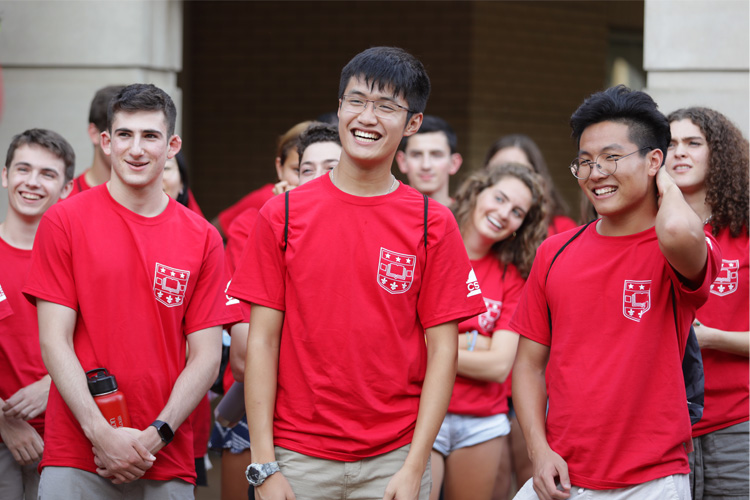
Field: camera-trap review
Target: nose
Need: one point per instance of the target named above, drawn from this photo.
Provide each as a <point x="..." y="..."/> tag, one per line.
<point x="34" y="178"/>
<point x="596" y="172"/>
<point x="136" y="149"/>
<point x="426" y="162"/>
<point x="367" y="115"/>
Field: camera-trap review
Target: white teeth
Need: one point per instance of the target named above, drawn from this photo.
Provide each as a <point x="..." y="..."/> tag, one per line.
<point x="604" y="190"/>
<point x="366" y="136"/>
<point x="31" y="196"/>
<point x="494" y="222"/>
<point x="681" y="168"/>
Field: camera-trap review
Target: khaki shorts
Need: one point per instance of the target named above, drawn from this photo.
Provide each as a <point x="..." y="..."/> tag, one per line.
<point x="319" y="479"/>
<point x="675" y="487"/>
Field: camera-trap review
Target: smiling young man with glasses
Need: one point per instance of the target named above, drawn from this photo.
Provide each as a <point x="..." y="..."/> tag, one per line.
<point x="352" y="348"/>
<point x="605" y="316"/>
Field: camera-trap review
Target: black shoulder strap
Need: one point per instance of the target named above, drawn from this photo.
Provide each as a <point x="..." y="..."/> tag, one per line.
<point x="425" y="223"/>
<point x="286" y="218"/>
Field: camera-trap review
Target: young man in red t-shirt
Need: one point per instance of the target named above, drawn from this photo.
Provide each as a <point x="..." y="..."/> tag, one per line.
<point x="129" y="280"/>
<point x="603" y="330"/>
<point x="342" y="393"/>
<point x="37" y="172"/>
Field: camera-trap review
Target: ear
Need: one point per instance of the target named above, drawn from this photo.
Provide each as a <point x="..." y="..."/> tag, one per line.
<point x="106" y="142"/>
<point x="401" y="161"/>
<point x="94" y="134"/>
<point x="655" y="159"/>
<point x="175" y="144"/>
<point x="413" y="124"/>
<point x="5" y="177"/>
<point x="278" y="167"/>
<point x="456" y="161"/>
<point x="67" y="188"/>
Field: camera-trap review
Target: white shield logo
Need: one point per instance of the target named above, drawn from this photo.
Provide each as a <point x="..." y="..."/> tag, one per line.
<point x="636" y="299"/>
<point x="395" y="271"/>
<point x="487" y="320"/>
<point x="727" y="280"/>
<point x="170" y="284"/>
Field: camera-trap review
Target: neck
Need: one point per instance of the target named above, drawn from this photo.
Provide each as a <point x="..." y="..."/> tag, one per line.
<point x="631" y="222"/>
<point x="697" y="202"/>
<point x="476" y="245"/>
<point x="19" y="232"/>
<point x="147" y="201"/>
<point x="351" y="179"/>
<point x="441" y="196"/>
<point x="100" y="171"/>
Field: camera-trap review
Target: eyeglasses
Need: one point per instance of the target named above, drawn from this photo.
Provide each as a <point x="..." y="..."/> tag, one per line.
<point x="605" y="162"/>
<point x="383" y="108"/>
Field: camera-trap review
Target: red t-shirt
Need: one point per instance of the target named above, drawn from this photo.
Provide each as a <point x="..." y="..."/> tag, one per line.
<point x="560" y="223"/>
<point x="726" y="375"/>
<point x="238" y="234"/>
<point x="79" y="185"/>
<point x="140" y="286"/>
<point x="501" y="289"/>
<point x="20" y="355"/>
<point x="358" y="290"/>
<point x="255" y="199"/>
<point x="617" y="406"/>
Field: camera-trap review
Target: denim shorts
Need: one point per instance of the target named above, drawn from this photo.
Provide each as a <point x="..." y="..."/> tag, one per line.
<point x="460" y="431"/>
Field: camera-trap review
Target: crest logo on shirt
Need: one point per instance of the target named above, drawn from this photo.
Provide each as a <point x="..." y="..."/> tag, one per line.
<point x="636" y="299"/>
<point x="395" y="271"/>
<point x="472" y="285"/>
<point x="170" y="284"/>
<point x="727" y="280"/>
<point x="2" y="294"/>
<point x="230" y="300"/>
<point x="487" y="320"/>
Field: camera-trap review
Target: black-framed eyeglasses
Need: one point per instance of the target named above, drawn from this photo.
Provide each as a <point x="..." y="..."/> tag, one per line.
<point x="605" y="162"/>
<point x="382" y="108"/>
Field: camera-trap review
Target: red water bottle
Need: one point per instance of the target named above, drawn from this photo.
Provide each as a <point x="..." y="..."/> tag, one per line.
<point x="103" y="386"/>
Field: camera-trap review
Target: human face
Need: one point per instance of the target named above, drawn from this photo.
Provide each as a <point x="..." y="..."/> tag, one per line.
<point x="428" y="162"/>
<point x="501" y="209"/>
<point x="139" y="147"/>
<point x="631" y="188"/>
<point x="35" y="180"/>
<point x="511" y="154"/>
<point x="171" y="180"/>
<point x="688" y="156"/>
<point x="370" y="141"/>
<point x="289" y="170"/>
<point x="318" y="159"/>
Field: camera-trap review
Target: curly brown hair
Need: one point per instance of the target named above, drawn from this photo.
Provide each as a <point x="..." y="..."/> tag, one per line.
<point x="520" y="250"/>
<point x="727" y="176"/>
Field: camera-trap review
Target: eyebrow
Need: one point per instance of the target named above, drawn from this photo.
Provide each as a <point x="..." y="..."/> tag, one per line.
<point x="508" y="198"/>
<point x="145" y="131"/>
<point x="378" y="98"/>
<point x="605" y="148"/>
<point x="689" y="138"/>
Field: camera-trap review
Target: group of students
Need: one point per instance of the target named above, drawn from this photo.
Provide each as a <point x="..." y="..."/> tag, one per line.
<point x="375" y="325"/>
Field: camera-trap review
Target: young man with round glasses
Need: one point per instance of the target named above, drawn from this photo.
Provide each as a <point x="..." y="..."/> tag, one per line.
<point x="605" y="316"/>
<point x="344" y="397"/>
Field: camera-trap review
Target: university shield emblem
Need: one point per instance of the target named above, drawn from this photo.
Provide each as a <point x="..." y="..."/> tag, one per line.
<point x="395" y="271"/>
<point x="636" y="299"/>
<point x="170" y="284"/>
<point x="727" y="280"/>
<point x="487" y="320"/>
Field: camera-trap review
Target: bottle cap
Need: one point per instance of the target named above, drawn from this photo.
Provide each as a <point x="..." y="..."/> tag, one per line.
<point x="101" y="381"/>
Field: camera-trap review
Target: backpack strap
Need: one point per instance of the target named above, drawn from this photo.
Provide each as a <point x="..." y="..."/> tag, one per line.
<point x="425" y="223"/>
<point x="286" y="219"/>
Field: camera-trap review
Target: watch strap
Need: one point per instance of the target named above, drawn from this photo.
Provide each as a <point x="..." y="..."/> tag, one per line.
<point x="165" y="431"/>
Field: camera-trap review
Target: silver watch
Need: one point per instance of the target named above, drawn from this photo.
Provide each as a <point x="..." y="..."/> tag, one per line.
<point x="257" y="473"/>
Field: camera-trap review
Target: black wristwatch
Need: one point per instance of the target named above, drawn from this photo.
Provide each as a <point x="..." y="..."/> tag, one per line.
<point x="165" y="431"/>
<point x="256" y="474"/>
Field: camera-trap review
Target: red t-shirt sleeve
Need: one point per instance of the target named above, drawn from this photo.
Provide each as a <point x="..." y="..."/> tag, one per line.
<point x="531" y="317"/>
<point x="237" y="236"/>
<point x="512" y="290"/>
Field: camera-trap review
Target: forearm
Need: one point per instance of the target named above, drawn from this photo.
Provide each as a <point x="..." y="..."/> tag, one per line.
<point x="721" y="340"/>
<point x="238" y="350"/>
<point x="491" y="365"/>
<point x="438" y="383"/>
<point x="530" y="400"/>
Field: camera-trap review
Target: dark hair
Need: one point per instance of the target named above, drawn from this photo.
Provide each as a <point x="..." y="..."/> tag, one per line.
<point x="647" y="126"/>
<point x="183" y="170"/>
<point x="727" y="175"/>
<point x="288" y="140"/>
<point x="520" y="250"/>
<point x="317" y="132"/>
<point x="49" y="140"/>
<point x="390" y="67"/>
<point x="432" y="123"/>
<point x="143" y="97"/>
<point x="100" y="104"/>
<point x="331" y="118"/>
<point x="555" y="203"/>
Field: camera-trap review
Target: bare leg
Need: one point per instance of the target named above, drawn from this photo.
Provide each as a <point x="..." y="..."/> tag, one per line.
<point x="522" y="466"/>
<point x="233" y="483"/>
<point x="504" y="473"/>
<point x="470" y="472"/>
<point x="437" y="469"/>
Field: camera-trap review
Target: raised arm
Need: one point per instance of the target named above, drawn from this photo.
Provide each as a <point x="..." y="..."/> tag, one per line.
<point x="442" y="352"/>
<point x="680" y="231"/>
<point x="120" y="453"/>
<point x="530" y="402"/>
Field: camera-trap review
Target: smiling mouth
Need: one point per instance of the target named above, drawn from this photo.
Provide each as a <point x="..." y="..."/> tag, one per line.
<point x="681" y="168"/>
<point x="363" y="136"/>
<point x="604" y="190"/>
<point x="495" y="223"/>
<point x="31" y="196"/>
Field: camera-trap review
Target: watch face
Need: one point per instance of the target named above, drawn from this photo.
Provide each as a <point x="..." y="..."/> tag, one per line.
<point x="253" y="474"/>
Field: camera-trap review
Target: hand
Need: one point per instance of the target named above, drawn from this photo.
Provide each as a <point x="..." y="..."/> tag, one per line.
<point x="275" y="487"/>
<point x="23" y="441"/>
<point x="282" y="187"/>
<point x="28" y="402"/>
<point x="119" y="454"/>
<point x="404" y="485"/>
<point x="550" y="469"/>
<point x="664" y="182"/>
